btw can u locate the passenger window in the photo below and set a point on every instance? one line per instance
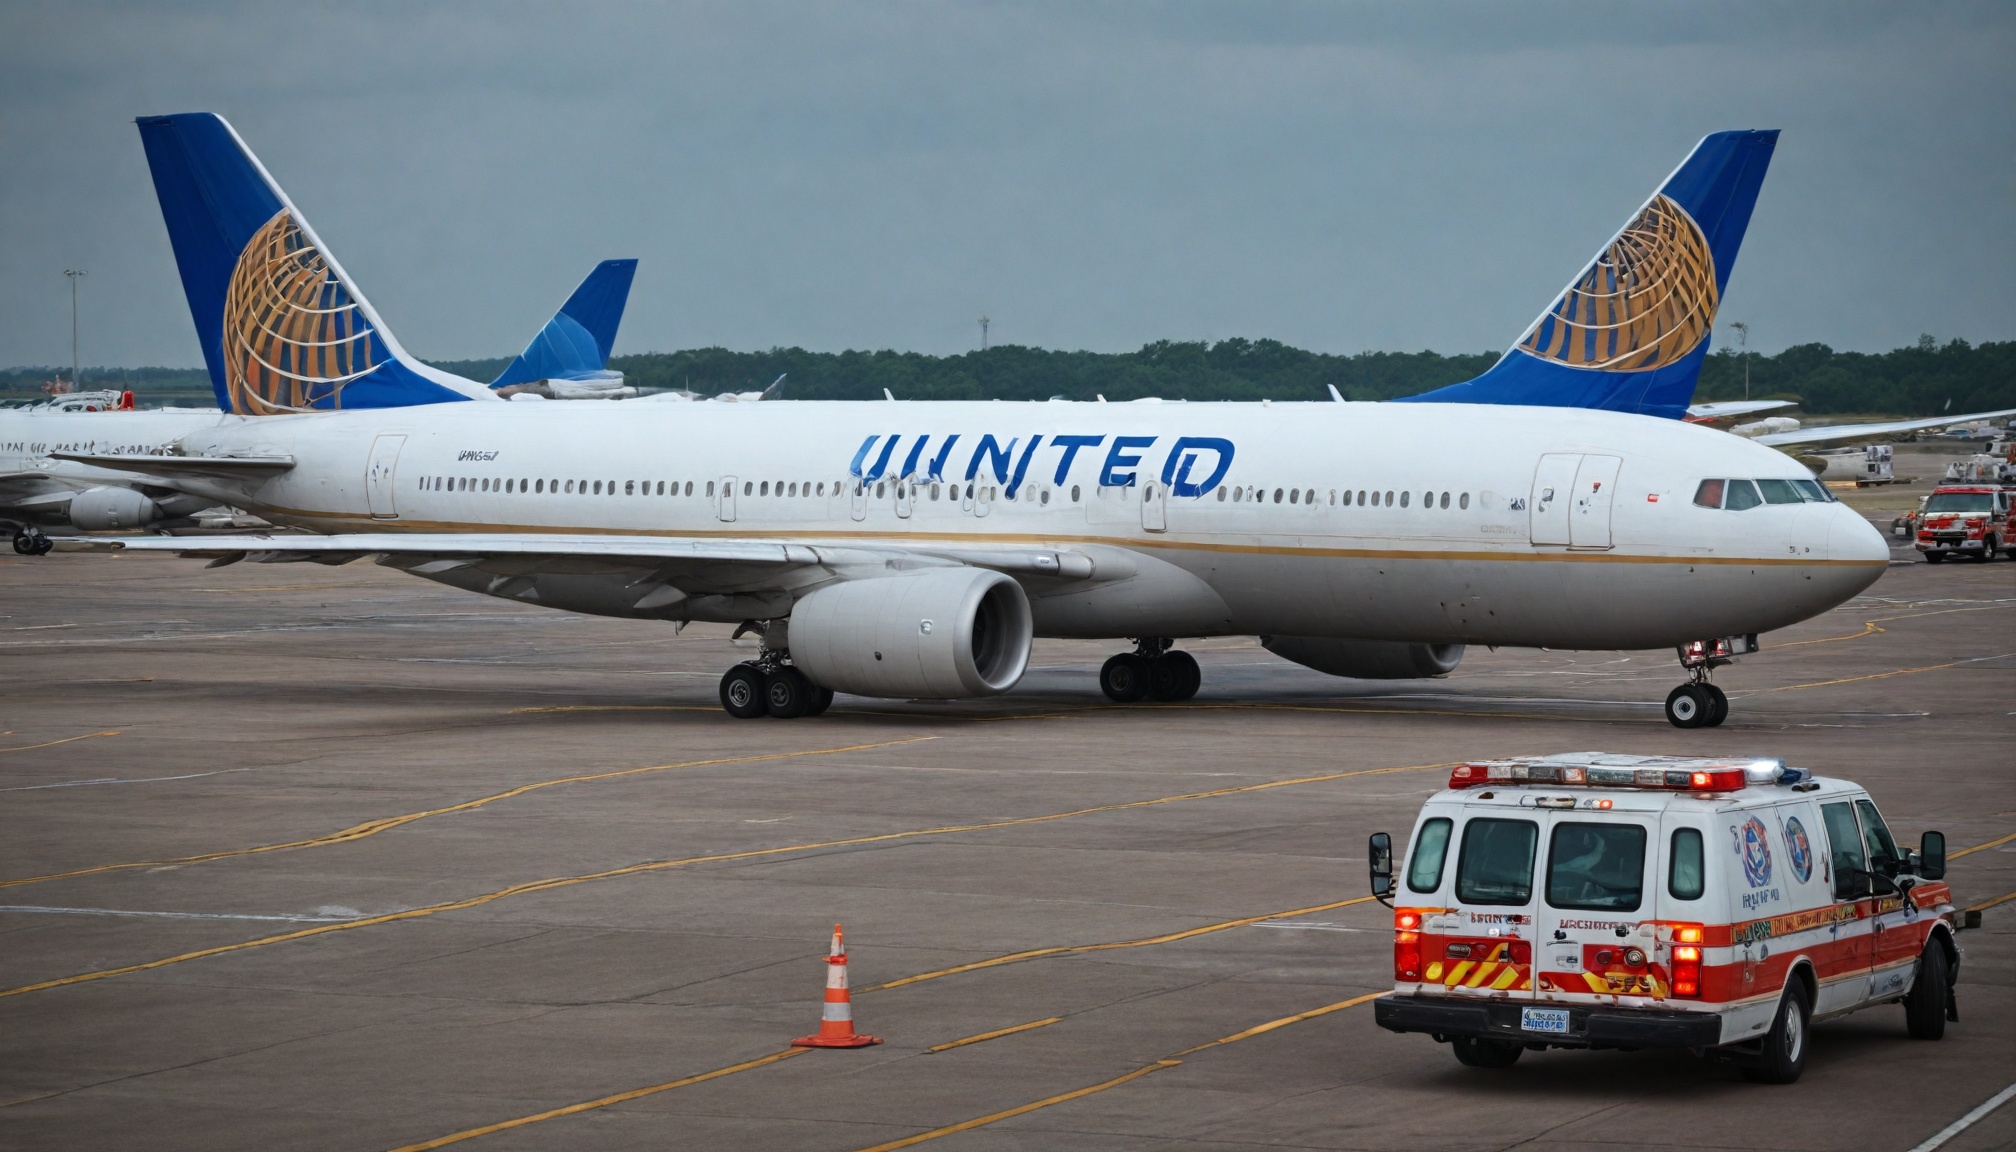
(1742, 496)
(1596, 866)
(1431, 848)
(1444, 502)
(1463, 501)
(1844, 852)
(1876, 838)
(1780, 492)
(1497, 861)
(1403, 498)
(1709, 494)
(1684, 879)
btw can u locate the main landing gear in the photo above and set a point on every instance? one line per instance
(1152, 671)
(1698, 703)
(29, 542)
(770, 686)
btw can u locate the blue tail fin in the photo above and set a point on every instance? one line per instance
(575, 344)
(1630, 333)
(283, 327)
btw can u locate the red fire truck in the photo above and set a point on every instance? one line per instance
(1976, 520)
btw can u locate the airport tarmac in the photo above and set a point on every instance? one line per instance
(334, 858)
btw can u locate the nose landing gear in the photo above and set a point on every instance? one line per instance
(1698, 703)
(1152, 671)
(29, 542)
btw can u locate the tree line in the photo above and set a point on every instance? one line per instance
(1924, 379)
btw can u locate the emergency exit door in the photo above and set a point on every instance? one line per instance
(381, 475)
(1571, 499)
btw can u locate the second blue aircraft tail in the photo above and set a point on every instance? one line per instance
(1631, 332)
(575, 344)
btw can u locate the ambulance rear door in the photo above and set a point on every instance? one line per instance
(1481, 945)
(1597, 903)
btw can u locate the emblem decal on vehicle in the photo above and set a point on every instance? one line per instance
(1755, 850)
(1798, 850)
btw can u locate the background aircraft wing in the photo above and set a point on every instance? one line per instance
(1839, 432)
(1715, 410)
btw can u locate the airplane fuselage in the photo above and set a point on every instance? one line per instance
(1442, 523)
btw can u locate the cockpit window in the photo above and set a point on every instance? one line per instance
(1742, 496)
(1709, 494)
(1815, 492)
(1737, 495)
(1780, 492)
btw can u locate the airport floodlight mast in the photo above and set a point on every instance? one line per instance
(73, 274)
(1742, 328)
(983, 333)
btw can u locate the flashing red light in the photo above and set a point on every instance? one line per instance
(1468, 775)
(1406, 944)
(1719, 780)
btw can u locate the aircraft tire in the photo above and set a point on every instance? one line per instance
(24, 544)
(822, 699)
(1124, 678)
(1687, 707)
(787, 695)
(1174, 676)
(742, 692)
(1718, 706)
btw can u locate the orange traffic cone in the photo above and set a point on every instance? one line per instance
(836, 1023)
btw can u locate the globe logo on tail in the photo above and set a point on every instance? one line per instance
(293, 334)
(1646, 302)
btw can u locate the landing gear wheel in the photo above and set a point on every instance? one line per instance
(32, 544)
(1174, 676)
(1718, 705)
(742, 692)
(787, 694)
(1474, 1053)
(1124, 679)
(1784, 1055)
(1925, 1007)
(1935, 557)
(1688, 706)
(822, 699)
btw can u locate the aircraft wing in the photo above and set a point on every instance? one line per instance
(193, 467)
(1716, 410)
(1834, 432)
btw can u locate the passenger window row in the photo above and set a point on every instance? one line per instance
(1347, 497)
(571, 487)
(1740, 495)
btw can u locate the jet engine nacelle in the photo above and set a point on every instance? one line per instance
(934, 634)
(1367, 659)
(101, 509)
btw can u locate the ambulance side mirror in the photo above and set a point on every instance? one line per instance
(1932, 856)
(1380, 851)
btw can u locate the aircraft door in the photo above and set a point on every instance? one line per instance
(1154, 513)
(380, 476)
(1553, 487)
(1589, 516)
(724, 507)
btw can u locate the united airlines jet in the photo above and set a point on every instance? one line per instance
(906, 550)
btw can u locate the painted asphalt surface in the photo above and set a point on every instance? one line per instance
(518, 863)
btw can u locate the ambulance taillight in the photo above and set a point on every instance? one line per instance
(1407, 944)
(1686, 957)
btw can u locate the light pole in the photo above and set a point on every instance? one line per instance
(73, 274)
(1743, 342)
(983, 333)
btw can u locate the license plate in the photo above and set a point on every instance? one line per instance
(1544, 1020)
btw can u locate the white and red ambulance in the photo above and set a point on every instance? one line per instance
(1594, 900)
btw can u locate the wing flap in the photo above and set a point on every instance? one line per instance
(186, 467)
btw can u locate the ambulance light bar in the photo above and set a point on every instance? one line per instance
(1667, 773)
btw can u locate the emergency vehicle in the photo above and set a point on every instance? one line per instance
(1592, 900)
(1976, 520)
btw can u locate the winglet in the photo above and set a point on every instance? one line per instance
(575, 344)
(1632, 330)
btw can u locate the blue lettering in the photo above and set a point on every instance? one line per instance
(910, 461)
(1071, 444)
(938, 462)
(1022, 466)
(854, 469)
(1118, 457)
(882, 461)
(991, 449)
(1177, 479)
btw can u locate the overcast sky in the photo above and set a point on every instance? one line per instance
(1339, 176)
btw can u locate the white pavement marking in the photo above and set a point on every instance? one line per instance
(170, 915)
(1967, 1121)
(132, 780)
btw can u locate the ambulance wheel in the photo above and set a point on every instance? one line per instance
(787, 695)
(1718, 706)
(822, 699)
(1474, 1053)
(742, 692)
(1988, 547)
(1124, 678)
(1174, 676)
(1935, 557)
(1784, 1055)
(1688, 706)
(1925, 1007)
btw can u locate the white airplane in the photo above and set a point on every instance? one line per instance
(901, 549)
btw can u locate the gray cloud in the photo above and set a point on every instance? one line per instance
(1338, 176)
